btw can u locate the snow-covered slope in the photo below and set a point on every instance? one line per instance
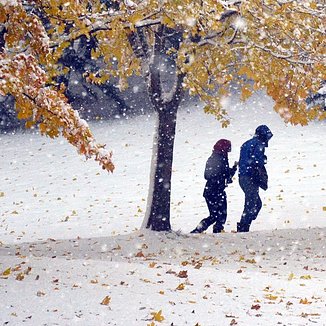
(69, 232)
(50, 191)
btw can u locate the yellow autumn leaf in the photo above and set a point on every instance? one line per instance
(324, 208)
(157, 316)
(20, 276)
(136, 17)
(3, 17)
(244, 70)
(246, 92)
(271, 297)
(181, 286)
(2, 194)
(251, 261)
(291, 277)
(305, 277)
(6, 272)
(106, 301)
(167, 21)
(29, 124)
(305, 301)
(313, 5)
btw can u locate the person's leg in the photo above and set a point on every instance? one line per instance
(221, 213)
(252, 204)
(206, 222)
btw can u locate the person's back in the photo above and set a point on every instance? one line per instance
(251, 155)
(216, 173)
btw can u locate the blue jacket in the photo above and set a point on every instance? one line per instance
(252, 162)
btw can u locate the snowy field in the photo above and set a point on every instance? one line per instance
(70, 233)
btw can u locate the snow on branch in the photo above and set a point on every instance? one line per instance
(39, 104)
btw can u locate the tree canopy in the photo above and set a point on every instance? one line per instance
(279, 45)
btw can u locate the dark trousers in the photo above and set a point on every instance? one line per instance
(217, 206)
(252, 204)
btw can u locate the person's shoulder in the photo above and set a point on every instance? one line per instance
(249, 142)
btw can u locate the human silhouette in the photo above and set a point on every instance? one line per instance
(218, 174)
(253, 175)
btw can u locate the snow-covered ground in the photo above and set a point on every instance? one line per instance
(69, 232)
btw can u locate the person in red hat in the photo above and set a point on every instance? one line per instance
(218, 175)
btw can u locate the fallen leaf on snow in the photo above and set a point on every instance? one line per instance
(106, 301)
(140, 254)
(255, 306)
(198, 265)
(6, 272)
(271, 297)
(183, 274)
(157, 316)
(152, 265)
(181, 286)
(305, 301)
(20, 276)
(304, 314)
(291, 277)
(251, 261)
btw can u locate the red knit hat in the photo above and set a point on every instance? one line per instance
(222, 146)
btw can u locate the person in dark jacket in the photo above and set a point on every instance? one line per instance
(218, 174)
(253, 175)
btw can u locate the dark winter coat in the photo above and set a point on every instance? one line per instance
(252, 162)
(217, 173)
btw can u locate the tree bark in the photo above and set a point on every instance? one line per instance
(159, 208)
(166, 105)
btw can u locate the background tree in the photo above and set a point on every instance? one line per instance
(273, 45)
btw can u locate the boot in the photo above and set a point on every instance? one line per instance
(243, 227)
(201, 227)
(218, 228)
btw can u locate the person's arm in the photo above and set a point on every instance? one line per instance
(231, 172)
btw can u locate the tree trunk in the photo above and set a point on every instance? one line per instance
(158, 208)
(157, 217)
